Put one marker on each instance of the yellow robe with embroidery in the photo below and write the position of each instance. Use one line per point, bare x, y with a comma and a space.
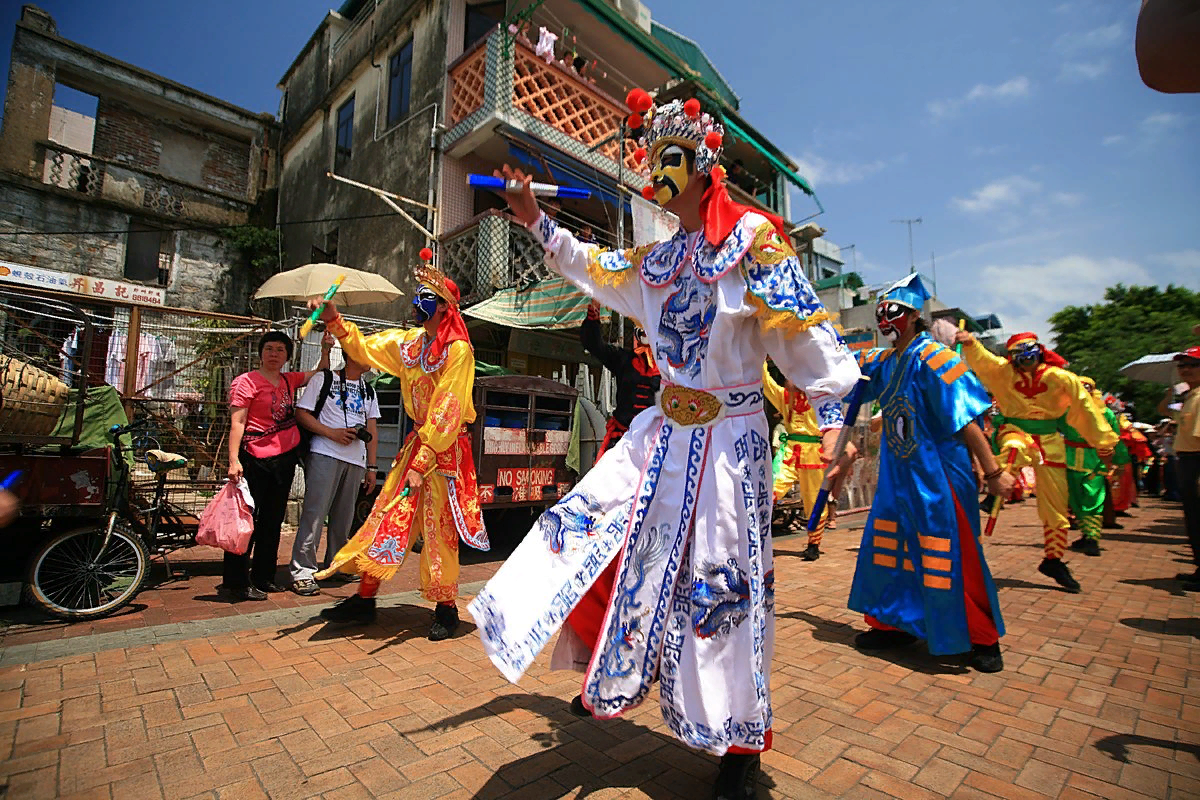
801, 460
438, 399
1042, 396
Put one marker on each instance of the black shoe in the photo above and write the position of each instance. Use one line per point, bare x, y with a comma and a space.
578, 708
354, 608
738, 777
1113, 526
876, 639
244, 593
811, 553
1124, 514
445, 622
1079, 544
1091, 546
986, 658
1056, 569
417, 546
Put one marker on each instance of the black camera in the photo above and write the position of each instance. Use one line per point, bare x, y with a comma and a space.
362, 434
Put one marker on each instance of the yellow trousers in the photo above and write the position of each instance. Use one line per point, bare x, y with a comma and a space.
1048, 456
801, 464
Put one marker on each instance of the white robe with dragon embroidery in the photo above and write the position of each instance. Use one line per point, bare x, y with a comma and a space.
687, 507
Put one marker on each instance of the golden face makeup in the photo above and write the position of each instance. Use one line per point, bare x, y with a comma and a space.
670, 174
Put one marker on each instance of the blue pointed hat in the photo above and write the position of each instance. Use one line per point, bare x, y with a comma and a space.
908, 291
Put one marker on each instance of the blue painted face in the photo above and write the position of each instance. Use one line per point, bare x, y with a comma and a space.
1026, 354
425, 304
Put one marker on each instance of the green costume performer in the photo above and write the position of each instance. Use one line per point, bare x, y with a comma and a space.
1086, 477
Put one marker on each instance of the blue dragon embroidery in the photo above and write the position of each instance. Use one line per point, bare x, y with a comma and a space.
575, 517
647, 550
683, 328
720, 599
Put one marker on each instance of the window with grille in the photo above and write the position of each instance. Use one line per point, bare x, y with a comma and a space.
345, 135
400, 83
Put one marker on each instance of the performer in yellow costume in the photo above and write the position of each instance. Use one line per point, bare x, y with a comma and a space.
430, 490
799, 457
1032, 390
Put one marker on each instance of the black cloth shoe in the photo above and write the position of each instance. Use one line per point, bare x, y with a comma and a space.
445, 622
1056, 569
811, 553
1091, 546
1124, 514
417, 546
1113, 526
578, 708
1078, 544
986, 657
876, 639
355, 608
243, 593
738, 777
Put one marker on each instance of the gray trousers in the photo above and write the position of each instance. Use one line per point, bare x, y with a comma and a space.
330, 490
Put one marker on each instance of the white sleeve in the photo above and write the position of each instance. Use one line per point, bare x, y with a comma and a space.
308, 398
620, 289
818, 361
373, 406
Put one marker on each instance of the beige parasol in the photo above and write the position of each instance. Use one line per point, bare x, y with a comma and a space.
313, 280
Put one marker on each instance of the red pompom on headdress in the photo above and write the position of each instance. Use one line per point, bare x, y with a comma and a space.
648, 192
426, 254
639, 155
692, 108
636, 121
712, 140
639, 101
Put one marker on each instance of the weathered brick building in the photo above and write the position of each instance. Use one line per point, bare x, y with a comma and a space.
136, 191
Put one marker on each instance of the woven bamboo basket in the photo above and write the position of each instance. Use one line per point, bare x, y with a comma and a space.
31, 399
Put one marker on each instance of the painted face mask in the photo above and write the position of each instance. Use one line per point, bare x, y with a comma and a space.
640, 339
1026, 355
892, 319
425, 304
670, 174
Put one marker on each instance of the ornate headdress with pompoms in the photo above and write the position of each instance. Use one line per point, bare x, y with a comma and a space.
677, 122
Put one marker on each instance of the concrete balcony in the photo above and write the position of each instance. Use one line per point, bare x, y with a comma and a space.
491, 252
501, 81
113, 182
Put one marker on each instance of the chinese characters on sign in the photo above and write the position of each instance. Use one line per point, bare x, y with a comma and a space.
81, 284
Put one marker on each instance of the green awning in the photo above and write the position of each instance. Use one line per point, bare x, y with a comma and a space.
773, 159
847, 280
690, 53
551, 304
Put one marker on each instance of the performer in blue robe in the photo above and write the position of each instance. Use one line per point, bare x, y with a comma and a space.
921, 571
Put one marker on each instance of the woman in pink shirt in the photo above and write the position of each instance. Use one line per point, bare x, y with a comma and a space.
263, 442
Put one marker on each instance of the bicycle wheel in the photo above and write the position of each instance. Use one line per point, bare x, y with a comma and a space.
70, 578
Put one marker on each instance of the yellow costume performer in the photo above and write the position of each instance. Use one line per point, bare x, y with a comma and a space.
1032, 392
430, 491
799, 458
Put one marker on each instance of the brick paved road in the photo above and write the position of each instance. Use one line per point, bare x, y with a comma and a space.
186, 697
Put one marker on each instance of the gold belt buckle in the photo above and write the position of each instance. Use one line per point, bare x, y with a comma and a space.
690, 406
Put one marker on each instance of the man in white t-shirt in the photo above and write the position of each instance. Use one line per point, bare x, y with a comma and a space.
340, 411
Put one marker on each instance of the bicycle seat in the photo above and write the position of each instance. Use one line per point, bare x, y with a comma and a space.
160, 461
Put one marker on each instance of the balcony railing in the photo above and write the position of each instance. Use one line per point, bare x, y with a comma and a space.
489, 253
502, 76
104, 179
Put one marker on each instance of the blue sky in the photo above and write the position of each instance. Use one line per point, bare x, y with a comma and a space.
1019, 132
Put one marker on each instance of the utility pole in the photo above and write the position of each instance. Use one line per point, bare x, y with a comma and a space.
912, 265
933, 268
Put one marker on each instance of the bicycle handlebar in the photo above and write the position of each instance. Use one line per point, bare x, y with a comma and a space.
119, 430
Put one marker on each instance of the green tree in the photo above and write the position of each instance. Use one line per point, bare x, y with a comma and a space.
260, 259
1132, 322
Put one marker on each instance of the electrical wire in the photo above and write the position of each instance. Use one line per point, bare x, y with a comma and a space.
209, 228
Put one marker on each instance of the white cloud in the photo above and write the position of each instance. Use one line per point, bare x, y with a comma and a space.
1070, 199
821, 171
1161, 121
1024, 295
996, 195
1183, 260
1115, 139
1074, 71
1009, 91
1096, 39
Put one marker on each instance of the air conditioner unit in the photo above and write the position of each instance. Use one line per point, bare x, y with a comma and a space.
634, 11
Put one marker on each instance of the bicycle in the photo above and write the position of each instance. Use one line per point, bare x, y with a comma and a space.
92, 571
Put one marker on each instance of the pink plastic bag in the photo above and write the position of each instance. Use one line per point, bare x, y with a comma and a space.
228, 519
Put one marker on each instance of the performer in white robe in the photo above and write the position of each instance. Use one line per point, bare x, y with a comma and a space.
684, 500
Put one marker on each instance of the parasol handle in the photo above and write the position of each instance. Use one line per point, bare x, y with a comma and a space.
998, 502
962, 326
307, 327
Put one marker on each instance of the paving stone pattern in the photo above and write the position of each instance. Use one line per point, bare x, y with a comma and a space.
1098, 698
